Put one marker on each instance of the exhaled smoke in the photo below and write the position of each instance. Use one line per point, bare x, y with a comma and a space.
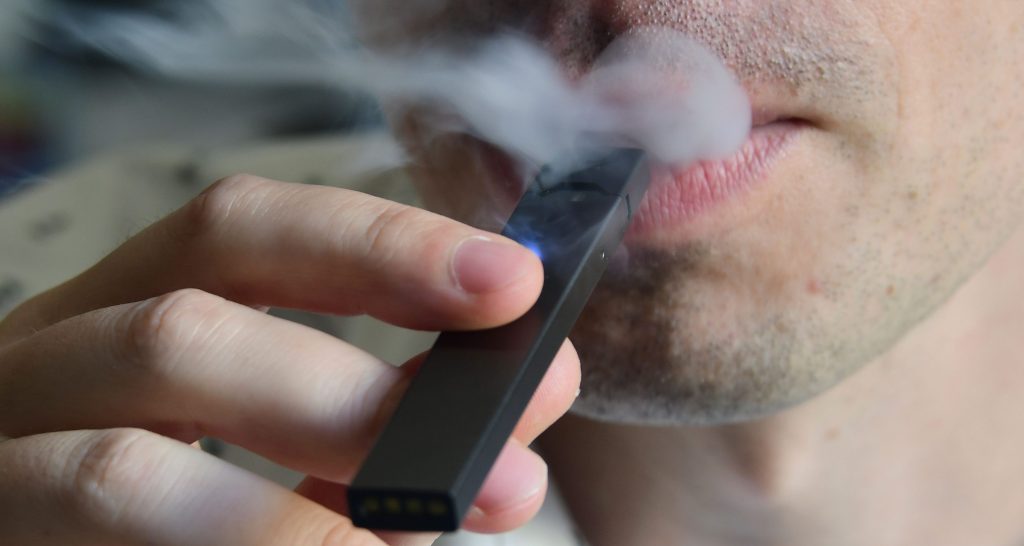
652, 88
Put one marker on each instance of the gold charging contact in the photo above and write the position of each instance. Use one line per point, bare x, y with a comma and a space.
437, 508
408, 506
414, 507
371, 505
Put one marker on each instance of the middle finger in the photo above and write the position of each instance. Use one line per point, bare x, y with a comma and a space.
295, 395
192, 360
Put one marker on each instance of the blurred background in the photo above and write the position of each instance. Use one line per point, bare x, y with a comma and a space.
61, 100
64, 103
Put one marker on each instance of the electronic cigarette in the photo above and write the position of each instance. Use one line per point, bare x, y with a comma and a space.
427, 466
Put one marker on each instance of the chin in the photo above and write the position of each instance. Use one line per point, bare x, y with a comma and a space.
671, 348
660, 394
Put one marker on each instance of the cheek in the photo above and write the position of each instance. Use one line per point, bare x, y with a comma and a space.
455, 174
961, 74
962, 124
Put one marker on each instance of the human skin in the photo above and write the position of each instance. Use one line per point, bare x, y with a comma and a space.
106, 379
903, 185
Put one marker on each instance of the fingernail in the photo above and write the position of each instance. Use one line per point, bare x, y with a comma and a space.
518, 475
481, 265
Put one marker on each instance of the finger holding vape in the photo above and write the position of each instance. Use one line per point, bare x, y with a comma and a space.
317, 416
201, 365
194, 363
262, 242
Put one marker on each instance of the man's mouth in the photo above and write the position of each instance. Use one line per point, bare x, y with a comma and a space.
683, 201
681, 196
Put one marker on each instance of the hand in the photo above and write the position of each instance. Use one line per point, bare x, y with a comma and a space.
106, 379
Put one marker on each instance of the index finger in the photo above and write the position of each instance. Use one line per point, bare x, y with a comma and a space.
262, 242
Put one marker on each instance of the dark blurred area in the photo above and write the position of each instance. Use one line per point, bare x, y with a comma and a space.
62, 100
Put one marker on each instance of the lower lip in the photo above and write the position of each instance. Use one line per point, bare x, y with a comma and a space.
678, 197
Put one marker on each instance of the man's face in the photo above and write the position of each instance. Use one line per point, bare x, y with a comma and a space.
899, 173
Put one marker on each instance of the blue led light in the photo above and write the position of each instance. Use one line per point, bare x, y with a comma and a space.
535, 248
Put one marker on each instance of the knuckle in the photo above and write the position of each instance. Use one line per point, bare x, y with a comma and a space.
397, 226
110, 474
160, 328
219, 202
386, 228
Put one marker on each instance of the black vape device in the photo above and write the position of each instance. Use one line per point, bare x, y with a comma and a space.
430, 461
